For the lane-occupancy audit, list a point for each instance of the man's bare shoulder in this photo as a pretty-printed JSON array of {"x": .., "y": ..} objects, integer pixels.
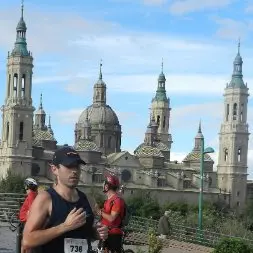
[{"x": 43, "y": 196}]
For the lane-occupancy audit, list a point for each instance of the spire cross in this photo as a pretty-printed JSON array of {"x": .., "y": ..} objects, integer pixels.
[
  {"x": 199, "y": 131},
  {"x": 162, "y": 64},
  {"x": 239, "y": 45},
  {"x": 41, "y": 101},
  {"x": 100, "y": 72},
  {"x": 22, "y": 8}
]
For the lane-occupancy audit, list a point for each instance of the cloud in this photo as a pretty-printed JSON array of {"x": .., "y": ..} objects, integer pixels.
[
  {"x": 51, "y": 32},
  {"x": 78, "y": 86},
  {"x": 249, "y": 8},
  {"x": 154, "y": 2},
  {"x": 50, "y": 79},
  {"x": 131, "y": 59},
  {"x": 176, "y": 84},
  {"x": 232, "y": 29},
  {"x": 181, "y": 7},
  {"x": 68, "y": 116}
]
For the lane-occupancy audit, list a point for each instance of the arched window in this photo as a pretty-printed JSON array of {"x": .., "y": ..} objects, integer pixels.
[
  {"x": 101, "y": 140},
  {"x": 9, "y": 85},
  {"x": 164, "y": 121},
  {"x": 234, "y": 111},
  {"x": 15, "y": 85},
  {"x": 239, "y": 155},
  {"x": 21, "y": 130},
  {"x": 241, "y": 115},
  {"x": 158, "y": 120},
  {"x": 7, "y": 130},
  {"x": 227, "y": 112},
  {"x": 23, "y": 86},
  {"x": 109, "y": 141},
  {"x": 225, "y": 154}
]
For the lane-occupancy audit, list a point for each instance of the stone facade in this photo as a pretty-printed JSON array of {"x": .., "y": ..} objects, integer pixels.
[{"x": 28, "y": 143}]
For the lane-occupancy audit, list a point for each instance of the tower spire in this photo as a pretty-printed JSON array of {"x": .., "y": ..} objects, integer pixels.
[
  {"x": 41, "y": 104},
  {"x": 200, "y": 131},
  {"x": 100, "y": 70},
  {"x": 22, "y": 9},
  {"x": 20, "y": 47},
  {"x": 239, "y": 45},
  {"x": 162, "y": 66},
  {"x": 237, "y": 76}
]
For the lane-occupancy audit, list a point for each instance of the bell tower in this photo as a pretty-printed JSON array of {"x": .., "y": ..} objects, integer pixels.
[
  {"x": 234, "y": 136},
  {"x": 160, "y": 110},
  {"x": 17, "y": 112}
]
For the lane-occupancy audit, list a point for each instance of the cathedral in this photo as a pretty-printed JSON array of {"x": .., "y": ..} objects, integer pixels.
[{"x": 28, "y": 142}]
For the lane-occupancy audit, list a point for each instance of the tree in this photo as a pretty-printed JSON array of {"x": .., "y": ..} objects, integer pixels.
[{"x": 12, "y": 183}]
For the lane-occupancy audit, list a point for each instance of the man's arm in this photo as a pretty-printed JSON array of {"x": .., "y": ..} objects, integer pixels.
[
  {"x": 33, "y": 234},
  {"x": 110, "y": 217},
  {"x": 115, "y": 211}
]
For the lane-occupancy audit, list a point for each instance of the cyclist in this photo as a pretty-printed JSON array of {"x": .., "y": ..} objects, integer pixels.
[
  {"x": 31, "y": 188},
  {"x": 112, "y": 214},
  {"x": 61, "y": 219}
]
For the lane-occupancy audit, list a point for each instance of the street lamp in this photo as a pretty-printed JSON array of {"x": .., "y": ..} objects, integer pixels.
[{"x": 202, "y": 153}]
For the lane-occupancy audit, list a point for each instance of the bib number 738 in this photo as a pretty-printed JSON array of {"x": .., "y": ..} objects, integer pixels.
[{"x": 73, "y": 245}]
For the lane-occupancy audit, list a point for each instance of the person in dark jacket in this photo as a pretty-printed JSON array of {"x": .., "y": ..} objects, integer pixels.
[
  {"x": 61, "y": 218},
  {"x": 164, "y": 228}
]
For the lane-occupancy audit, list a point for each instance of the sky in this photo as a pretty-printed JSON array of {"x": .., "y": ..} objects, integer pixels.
[{"x": 197, "y": 40}]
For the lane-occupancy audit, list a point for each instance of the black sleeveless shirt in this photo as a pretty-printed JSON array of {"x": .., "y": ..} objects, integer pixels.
[{"x": 60, "y": 210}]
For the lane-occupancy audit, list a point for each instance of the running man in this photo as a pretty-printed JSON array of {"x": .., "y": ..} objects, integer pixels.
[{"x": 61, "y": 219}]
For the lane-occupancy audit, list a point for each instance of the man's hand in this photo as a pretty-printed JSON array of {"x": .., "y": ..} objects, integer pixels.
[
  {"x": 102, "y": 231},
  {"x": 75, "y": 219}
]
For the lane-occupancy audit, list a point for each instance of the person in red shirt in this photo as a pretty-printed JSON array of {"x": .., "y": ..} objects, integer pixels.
[
  {"x": 112, "y": 214},
  {"x": 31, "y": 188}
]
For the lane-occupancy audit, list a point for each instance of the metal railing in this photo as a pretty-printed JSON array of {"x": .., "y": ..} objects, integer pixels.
[
  {"x": 182, "y": 233},
  {"x": 10, "y": 203}
]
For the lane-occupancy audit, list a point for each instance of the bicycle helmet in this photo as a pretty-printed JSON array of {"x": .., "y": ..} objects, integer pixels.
[
  {"x": 31, "y": 184},
  {"x": 112, "y": 182}
]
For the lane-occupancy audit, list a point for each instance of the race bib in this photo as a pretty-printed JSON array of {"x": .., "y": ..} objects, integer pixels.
[{"x": 72, "y": 245}]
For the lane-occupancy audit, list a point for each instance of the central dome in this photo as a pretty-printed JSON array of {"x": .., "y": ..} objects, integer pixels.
[{"x": 99, "y": 114}]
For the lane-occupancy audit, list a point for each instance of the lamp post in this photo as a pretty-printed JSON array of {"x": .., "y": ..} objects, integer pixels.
[{"x": 203, "y": 151}]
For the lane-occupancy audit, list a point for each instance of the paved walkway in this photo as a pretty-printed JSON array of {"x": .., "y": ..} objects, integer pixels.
[{"x": 8, "y": 244}]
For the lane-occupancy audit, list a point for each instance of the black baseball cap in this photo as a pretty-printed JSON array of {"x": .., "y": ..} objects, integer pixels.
[{"x": 67, "y": 156}]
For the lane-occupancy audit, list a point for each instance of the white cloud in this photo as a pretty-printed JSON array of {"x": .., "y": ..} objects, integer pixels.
[
  {"x": 131, "y": 60},
  {"x": 249, "y": 8},
  {"x": 232, "y": 29},
  {"x": 180, "y": 7},
  {"x": 68, "y": 116},
  {"x": 176, "y": 83},
  {"x": 154, "y": 2}
]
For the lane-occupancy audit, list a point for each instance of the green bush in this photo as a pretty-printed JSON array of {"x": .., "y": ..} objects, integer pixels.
[
  {"x": 230, "y": 245},
  {"x": 154, "y": 244},
  {"x": 12, "y": 183}
]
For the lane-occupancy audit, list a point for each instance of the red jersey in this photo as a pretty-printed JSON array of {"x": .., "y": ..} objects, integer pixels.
[
  {"x": 26, "y": 206},
  {"x": 114, "y": 204}
]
